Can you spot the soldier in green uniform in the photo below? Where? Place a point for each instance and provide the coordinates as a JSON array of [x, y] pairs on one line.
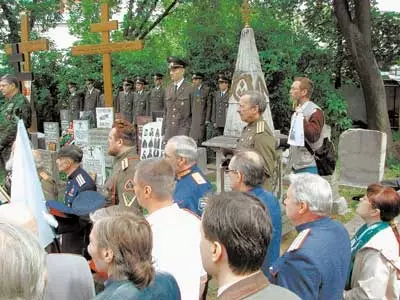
[[257, 135], [140, 99], [124, 101], [122, 145], [15, 107], [75, 101], [156, 98]]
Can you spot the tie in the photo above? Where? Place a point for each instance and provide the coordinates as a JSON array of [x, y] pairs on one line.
[[176, 87], [222, 94]]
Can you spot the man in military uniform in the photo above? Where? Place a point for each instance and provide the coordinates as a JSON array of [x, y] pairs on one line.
[[92, 98], [68, 161], [257, 135], [122, 145], [75, 101], [191, 184], [15, 107], [178, 101], [220, 103], [140, 99], [157, 94], [201, 108], [124, 101]]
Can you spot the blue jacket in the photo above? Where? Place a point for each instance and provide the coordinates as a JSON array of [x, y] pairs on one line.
[[78, 181], [163, 287], [191, 187], [317, 267], [274, 209]]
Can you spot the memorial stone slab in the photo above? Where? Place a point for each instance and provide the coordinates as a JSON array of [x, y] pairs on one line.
[[93, 162], [52, 135], [49, 163], [105, 117], [81, 132], [362, 156], [64, 119], [99, 137]]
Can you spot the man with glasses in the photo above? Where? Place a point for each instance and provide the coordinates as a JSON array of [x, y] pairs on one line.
[[15, 107], [246, 174], [124, 101]]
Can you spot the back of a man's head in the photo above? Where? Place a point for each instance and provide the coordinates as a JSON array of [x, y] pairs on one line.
[[22, 264], [125, 131], [241, 224]]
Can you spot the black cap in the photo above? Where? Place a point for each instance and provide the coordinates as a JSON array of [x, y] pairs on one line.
[[71, 151], [127, 80], [140, 80], [176, 62], [158, 76], [72, 83], [90, 80], [223, 78], [198, 75]]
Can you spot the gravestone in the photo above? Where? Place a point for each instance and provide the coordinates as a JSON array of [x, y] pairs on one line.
[[52, 135], [93, 162], [81, 132], [49, 163], [99, 137], [362, 156], [104, 117], [64, 119]]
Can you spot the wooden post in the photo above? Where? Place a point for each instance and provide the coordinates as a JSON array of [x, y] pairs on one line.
[[106, 48]]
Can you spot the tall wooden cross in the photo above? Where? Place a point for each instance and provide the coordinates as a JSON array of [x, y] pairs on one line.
[[16, 59], [106, 48], [26, 47]]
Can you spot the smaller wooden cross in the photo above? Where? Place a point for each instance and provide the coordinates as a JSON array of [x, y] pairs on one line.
[[15, 59]]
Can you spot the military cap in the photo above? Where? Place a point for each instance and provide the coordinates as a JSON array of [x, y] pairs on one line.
[[175, 62], [127, 80], [158, 76], [198, 76], [223, 78], [72, 83], [71, 151], [91, 80], [140, 80]]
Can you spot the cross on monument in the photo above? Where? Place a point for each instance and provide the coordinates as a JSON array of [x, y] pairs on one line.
[[106, 48]]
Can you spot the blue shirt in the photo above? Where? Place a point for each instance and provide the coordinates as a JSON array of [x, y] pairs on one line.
[[274, 209], [190, 190], [163, 286], [317, 269], [78, 181]]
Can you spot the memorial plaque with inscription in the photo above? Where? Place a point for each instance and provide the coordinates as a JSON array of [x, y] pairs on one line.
[[105, 117], [64, 119], [141, 121], [93, 162], [51, 135], [99, 137], [81, 132]]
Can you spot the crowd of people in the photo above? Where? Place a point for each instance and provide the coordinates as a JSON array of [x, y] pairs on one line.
[[160, 232]]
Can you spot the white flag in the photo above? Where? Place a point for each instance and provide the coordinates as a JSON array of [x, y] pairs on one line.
[[26, 187]]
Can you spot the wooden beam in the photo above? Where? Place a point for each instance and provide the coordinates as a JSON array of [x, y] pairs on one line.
[[107, 48]]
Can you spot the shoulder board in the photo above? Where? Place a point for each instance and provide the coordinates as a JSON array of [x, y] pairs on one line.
[[260, 127], [124, 164], [198, 178], [298, 242], [44, 175], [81, 181]]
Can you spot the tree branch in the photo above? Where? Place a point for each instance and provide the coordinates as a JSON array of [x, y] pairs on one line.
[[128, 18], [147, 17], [13, 36]]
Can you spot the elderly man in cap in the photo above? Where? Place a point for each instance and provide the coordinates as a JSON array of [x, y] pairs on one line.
[[156, 98], [140, 98], [178, 101], [191, 184], [122, 145], [201, 108], [124, 101], [220, 103], [315, 265]]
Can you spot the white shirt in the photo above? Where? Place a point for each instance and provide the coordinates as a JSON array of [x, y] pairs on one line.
[[176, 247], [178, 84]]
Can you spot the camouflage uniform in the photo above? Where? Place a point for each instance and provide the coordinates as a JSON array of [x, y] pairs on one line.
[[119, 186], [257, 136], [11, 111]]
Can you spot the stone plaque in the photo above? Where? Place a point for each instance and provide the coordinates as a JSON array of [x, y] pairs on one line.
[[81, 132], [362, 156], [151, 142], [49, 163], [64, 119], [105, 117], [99, 137], [93, 162], [51, 135]]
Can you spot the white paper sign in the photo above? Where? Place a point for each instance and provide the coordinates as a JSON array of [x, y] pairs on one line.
[[151, 141], [105, 117]]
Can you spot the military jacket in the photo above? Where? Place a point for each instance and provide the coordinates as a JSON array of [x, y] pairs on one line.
[[75, 105], [219, 108], [92, 100], [78, 181], [257, 136], [177, 110], [201, 112], [120, 186], [11, 111], [139, 104], [156, 100], [124, 105], [190, 190]]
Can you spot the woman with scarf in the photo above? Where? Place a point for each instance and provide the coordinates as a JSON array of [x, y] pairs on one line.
[[375, 264]]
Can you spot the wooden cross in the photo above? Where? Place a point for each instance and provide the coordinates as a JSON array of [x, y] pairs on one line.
[[106, 48], [15, 59]]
